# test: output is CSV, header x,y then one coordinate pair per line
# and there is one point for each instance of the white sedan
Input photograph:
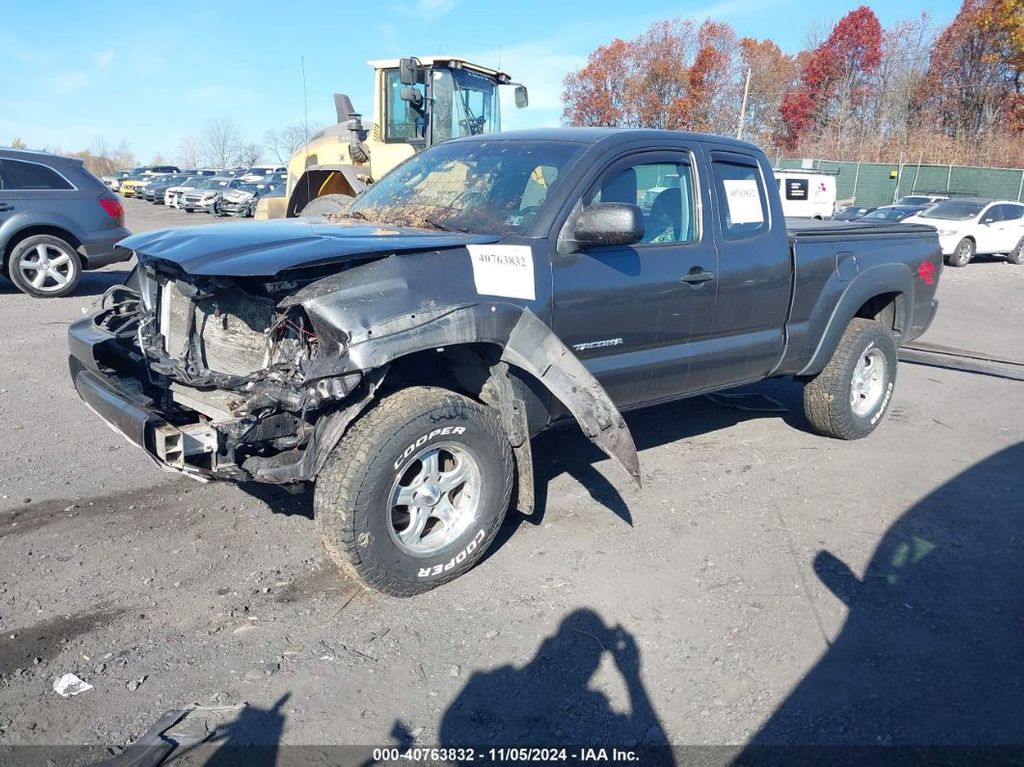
x,y
969,226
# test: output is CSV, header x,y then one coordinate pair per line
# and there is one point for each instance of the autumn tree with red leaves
x,y
974,80
835,78
674,76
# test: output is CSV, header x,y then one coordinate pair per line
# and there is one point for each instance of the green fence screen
x,y
875,183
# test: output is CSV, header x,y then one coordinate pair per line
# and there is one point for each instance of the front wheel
x,y
1016,256
848,398
415,492
963,254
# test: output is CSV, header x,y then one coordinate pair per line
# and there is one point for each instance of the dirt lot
x,y
765,586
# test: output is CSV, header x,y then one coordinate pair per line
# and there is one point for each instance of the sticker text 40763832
x,y
503,270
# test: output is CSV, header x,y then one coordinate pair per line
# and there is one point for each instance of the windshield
x,y
487,187
465,104
954,210
914,200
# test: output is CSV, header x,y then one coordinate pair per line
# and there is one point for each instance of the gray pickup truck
x,y
402,355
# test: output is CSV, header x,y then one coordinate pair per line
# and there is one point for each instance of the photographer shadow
x,y
548,702
933,646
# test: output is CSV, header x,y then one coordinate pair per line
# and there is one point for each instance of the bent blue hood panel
x,y
266,248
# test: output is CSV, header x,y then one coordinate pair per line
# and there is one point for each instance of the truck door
x,y
754,272
610,303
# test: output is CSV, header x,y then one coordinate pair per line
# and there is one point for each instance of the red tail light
x,y
114,209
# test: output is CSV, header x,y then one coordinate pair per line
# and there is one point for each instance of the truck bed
x,y
805,228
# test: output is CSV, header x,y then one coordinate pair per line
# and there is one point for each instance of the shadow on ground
x,y
548,701
565,449
932,650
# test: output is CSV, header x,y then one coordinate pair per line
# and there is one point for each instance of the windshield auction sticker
x,y
744,201
503,270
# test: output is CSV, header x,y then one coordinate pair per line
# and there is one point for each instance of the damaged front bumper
x,y
271,424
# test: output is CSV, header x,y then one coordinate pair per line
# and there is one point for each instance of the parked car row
x,y
967,226
225,192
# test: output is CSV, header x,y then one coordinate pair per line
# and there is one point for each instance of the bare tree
x,y
189,152
249,155
221,142
17,143
283,143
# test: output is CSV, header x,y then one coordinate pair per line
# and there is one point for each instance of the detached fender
x,y
361,329
875,281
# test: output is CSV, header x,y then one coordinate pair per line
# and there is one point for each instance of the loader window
x,y
402,123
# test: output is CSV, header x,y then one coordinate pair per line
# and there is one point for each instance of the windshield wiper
x,y
445,227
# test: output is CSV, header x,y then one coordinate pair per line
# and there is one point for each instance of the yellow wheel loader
x,y
417,102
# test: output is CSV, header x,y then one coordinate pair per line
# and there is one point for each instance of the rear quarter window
x,y
742,203
33,176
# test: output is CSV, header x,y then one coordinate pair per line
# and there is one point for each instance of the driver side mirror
x,y
408,69
608,223
522,97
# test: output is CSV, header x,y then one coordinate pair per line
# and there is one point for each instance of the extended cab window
x,y
30,175
742,205
664,194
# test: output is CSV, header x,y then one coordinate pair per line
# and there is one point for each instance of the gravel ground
x,y
765,586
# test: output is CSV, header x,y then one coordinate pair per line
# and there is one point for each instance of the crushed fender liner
x,y
534,348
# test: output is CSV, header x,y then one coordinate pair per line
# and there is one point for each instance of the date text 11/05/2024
x,y
504,754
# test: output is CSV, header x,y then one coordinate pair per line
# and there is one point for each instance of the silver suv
x,y
56,220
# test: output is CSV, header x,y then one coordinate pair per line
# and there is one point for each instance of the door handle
x,y
697,275
5,207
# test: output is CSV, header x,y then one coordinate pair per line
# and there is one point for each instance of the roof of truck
x,y
617,135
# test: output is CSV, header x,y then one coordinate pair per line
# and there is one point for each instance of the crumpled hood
x,y
266,248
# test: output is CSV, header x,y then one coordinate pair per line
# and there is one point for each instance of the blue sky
x,y
152,72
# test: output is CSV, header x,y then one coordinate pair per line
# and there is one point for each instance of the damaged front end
x,y
221,377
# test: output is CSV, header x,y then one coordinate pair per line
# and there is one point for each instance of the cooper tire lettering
x,y
445,432
458,559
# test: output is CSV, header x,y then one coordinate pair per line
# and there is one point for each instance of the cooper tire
x,y
370,535
849,397
963,254
327,205
44,266
1016,256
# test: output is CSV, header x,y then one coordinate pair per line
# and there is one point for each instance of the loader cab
x,y
422,102
417,102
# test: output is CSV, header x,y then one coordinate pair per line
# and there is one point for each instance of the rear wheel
x,y
45,266
963,254
848,398
415,492
1016,256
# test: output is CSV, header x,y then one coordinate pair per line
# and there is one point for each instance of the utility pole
x,y
743,106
